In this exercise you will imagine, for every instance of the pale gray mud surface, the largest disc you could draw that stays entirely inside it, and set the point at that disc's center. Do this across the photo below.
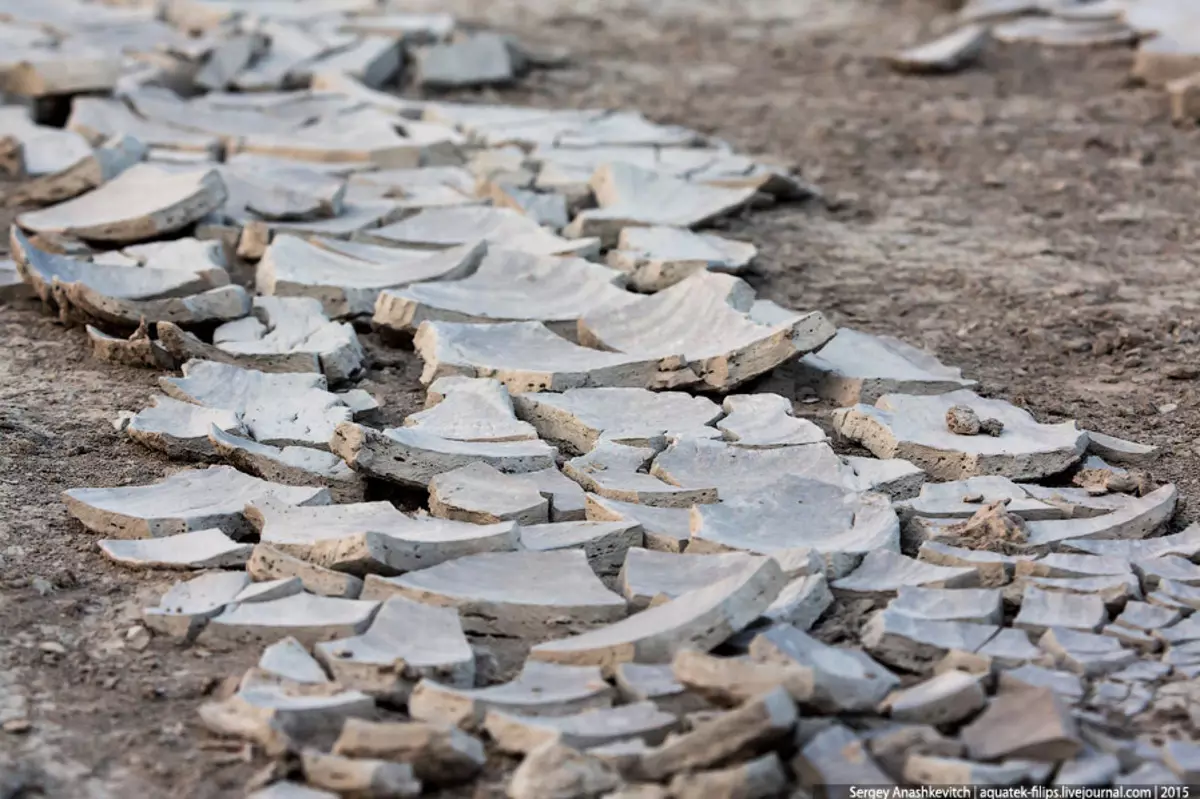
(1032, 220)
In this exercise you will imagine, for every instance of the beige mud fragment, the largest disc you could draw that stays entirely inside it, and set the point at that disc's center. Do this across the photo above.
(407, 641)
(410, 457)
(138, 350)
(190, 500)
(700, 620)
(731, 681)
(180, 429)
(1085, 653)
(528, 595)
(540, 689)
(522, 734)
(553, 770)
(370, 779)
(1160, 59)
(202, 549)
(930, 770)
(755, 779)
(949, 53)
(1034, 724)
(756, 724)
(438, 755)
(579, 418)
(268, 563)
(277, 719)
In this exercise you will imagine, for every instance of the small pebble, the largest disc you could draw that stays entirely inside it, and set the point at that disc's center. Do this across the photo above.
(53, 647)
(17, 726)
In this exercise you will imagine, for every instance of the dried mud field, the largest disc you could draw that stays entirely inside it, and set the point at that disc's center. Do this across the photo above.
(1031, 219)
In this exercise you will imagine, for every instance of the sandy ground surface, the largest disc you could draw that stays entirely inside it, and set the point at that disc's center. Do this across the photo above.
(1031, 220)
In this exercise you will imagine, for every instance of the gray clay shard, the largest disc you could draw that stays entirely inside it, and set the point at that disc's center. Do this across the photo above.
(410, 457)
(946, 698)
(604, 543)
(620, 472)
(139, 350)
(650, 578)
(297, 466)
(438, 228)
(187, 606)
(801, 602)
(656, 258)
(268, 564)
(979, 605)
(948, 53)
(45, 270)
(579, 417)
(962, 499)
(348, 284)
(765, 421)
(993, 567)
(628, 196)
(665, 529)
(195, 499)
(221, 304)
(1041, 610)
(306, 617)
(470, 409)
(525, 356)
(373, 537)
(641, 720)
(547, 209)
(884, 573)
(1118, 450)
(144, 202)
(794, 514)
(405, 642)
(97, 119)
(277, 409)
(484, 59)
(532, 595)
(93, 168)
(1138, 519)
(540, 689)
(710, 319)
(293, 330)
(837, 756)
(700, 619)
(914, 428)
(479, 494)
(202, 549)
(567, 499)
(901, 639)
(287, 658)
(508, 286)
(180, 429)
(1061, 564)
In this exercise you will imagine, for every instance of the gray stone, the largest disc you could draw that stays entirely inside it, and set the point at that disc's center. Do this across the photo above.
(522, 734)
(530, 595)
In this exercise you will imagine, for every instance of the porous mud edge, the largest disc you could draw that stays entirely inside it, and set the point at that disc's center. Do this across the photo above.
(1031, 220)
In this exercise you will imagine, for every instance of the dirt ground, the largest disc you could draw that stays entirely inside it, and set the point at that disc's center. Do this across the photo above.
(1029, 220)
